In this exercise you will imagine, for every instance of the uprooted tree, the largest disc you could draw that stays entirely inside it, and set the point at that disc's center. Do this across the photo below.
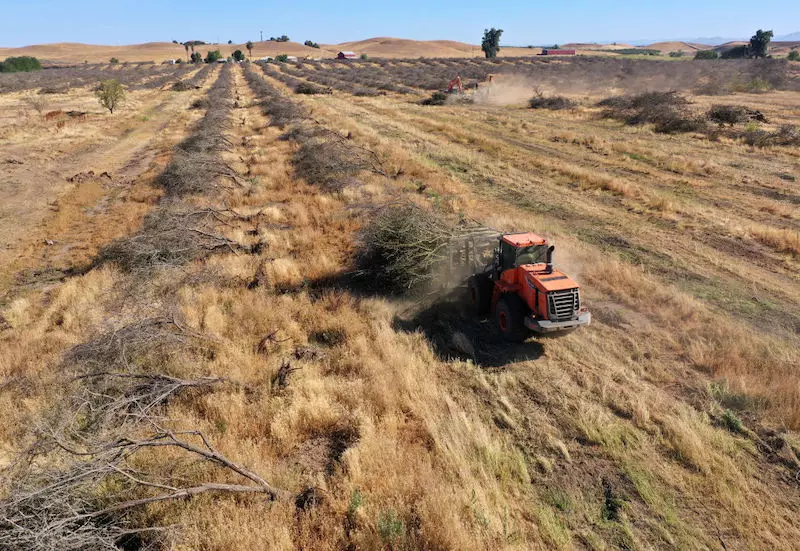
(402, 246)
(107, 448)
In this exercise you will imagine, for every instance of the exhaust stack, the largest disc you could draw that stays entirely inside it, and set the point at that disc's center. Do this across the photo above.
(550, 259)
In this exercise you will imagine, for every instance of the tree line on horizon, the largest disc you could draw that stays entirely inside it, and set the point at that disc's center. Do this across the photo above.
(758, 47)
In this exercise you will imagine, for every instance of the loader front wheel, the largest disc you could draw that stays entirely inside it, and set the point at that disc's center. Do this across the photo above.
(509, 315)
(479, 294)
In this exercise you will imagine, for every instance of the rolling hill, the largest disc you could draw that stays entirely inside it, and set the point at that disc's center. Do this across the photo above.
(380, 47)
(70, 53)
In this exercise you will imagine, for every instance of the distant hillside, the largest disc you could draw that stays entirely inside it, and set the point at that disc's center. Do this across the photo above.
(70, 53)
(379, 47)
(389, 47)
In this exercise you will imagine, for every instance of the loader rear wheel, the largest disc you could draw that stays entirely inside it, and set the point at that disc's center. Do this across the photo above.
(479, 294)
(509, 315)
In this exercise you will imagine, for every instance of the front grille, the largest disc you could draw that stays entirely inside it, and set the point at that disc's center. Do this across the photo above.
(563, 305)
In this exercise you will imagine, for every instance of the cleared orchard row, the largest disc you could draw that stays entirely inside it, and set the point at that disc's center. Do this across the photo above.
(136, 77)
(580, 74)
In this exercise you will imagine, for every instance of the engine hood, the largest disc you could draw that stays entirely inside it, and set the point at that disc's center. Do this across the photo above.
(554, 281)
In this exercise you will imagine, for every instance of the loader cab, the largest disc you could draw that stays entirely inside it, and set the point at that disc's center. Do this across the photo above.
(523, 248)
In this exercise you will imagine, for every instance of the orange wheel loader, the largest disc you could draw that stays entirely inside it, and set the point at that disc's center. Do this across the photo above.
(512, 277)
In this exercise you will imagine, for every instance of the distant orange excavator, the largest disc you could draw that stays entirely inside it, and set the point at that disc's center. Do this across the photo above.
(456, 86)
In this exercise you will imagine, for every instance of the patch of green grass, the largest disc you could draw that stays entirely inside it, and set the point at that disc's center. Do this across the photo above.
(732, 422)
(553, 528)
(477, 512)
(638, 157)
(390, 527)
(508, 466)
(356, 501)
(732, 400)
(669, 526)
(559, 499)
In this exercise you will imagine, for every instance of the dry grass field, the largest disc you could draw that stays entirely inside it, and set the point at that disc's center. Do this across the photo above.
(188, 360)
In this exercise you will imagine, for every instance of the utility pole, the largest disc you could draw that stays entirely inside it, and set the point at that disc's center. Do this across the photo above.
(262, 35)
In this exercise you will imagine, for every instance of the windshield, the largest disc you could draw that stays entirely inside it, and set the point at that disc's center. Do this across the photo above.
(532, 255)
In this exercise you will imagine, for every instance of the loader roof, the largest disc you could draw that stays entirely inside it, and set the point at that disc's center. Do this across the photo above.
(524, 239)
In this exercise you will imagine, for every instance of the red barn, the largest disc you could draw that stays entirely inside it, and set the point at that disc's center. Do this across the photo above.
(347, 55)
(557, 52)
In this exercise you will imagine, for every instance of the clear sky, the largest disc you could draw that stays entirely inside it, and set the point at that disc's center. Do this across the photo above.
(524, 21)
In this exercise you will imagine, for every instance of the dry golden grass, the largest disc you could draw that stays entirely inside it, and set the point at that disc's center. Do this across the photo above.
(411, 449)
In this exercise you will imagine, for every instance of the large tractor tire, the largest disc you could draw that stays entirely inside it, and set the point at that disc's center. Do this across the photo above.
(479, 294)
(509, 314)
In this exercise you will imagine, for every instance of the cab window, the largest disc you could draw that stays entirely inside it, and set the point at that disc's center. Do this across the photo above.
(532, 255)
(508, 255)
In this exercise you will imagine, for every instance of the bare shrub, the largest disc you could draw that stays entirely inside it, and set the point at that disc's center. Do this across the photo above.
(195, 172)
(107, 449)
(733, 114)
(645, 100)
(437, 98)
(181, 86)
(402, 245)
(200, 103)
(667, 111)
(153, 341)
(172, 235)
(310, 89)
(51, 90)
(787, 134)
(38, 103)
(281, 110)
(329, 159)
(363, 91)
(554, 103)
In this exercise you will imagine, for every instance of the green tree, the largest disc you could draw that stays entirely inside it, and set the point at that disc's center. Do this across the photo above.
(249, 47)
(186, 47)
(759, 43)
(214, 56)
(230, 41)
(311, 44)
(282, 58)
(491, 42)
(794, 55)
(364, 56)
(114, 61)
(706, 54)
(238, 55)
(282, 38)
(20, 64)
(197, 57)
(110, 94)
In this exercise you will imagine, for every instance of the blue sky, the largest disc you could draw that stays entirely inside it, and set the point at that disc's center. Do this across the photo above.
(524, 22)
